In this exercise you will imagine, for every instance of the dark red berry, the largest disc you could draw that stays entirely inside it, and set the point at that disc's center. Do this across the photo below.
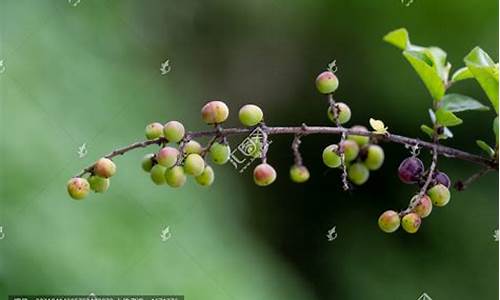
(442, 178)
(410, 170)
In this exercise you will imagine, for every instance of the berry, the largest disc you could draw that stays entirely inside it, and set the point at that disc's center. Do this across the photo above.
(410, 170)
(327, 82)
(440, 195)
(167, 156)
(264, 174)
(174, 131)
(147, 162)
(192, 147)
(358, 173)
(175, 176)
(361, 140)
(389, 221)
(105, 167)
(424, 207)
(207, 176)
(442, 178)
(78, 188)
(330, 156)
(220, 153)
(374, 157)
(343, 111)
(411, 222)
(351, 150)
(299, 174)
(157, 174)
(250, 115)
(98, 184)
(194, 164)
(154, 131)
(214, 112)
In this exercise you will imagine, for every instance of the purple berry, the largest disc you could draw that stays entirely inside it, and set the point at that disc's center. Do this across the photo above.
(442, 178)
(410, 170)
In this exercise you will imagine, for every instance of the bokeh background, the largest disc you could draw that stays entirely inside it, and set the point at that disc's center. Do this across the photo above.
(89, 72)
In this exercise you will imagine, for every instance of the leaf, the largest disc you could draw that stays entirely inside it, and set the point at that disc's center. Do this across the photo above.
(378, 126)
(458, 103)
(438, 58)
(399, 38)
(461, 74)
(495, 128)
(427, 130)
(427, 73)
(447, 118)
(486, 148)
(485, 71)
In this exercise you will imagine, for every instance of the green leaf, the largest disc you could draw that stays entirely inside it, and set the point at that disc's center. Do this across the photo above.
(495, 128)
(461, 74)
(447, 118)
(485, 71)
(486, 148)
(458, 102)
(438, 58)
(399, 38)
(427, 73)
(427, 130)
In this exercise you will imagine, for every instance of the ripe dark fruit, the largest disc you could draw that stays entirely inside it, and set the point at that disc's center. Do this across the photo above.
(78, 188)
(264, 174)
(327, 82)
(442, 178)
(410, 170)
(389, 221)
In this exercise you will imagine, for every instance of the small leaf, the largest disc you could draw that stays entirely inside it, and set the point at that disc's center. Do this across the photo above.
(378, 126)
(427, 130)
(432, 115)
(427, 73)
(486, 148)
(438, 58)
(495, 128)
(447, 133)
(399, 38)
(458, 102)
(461, 74)
(447, 118)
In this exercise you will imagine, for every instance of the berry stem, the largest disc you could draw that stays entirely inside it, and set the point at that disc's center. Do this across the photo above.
(345, 182)
(462, 185)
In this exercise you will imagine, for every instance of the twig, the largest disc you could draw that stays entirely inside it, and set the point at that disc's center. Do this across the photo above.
(335, 113)
(462, 185)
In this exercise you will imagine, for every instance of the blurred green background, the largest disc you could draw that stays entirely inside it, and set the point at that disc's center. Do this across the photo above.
(89, 72)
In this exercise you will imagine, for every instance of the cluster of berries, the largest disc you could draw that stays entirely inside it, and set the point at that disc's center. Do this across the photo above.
(412, 171)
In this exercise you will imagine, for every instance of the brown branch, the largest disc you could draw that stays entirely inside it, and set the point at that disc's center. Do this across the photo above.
(462, 185)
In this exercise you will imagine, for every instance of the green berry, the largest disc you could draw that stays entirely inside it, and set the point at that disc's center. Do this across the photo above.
(264, 174)
(389, 221)
(98, 184)
(194, 164)
(192, 147)
(105, 167)
(343, 111)
(358, 173)
(154, 131)
(167, 156)
(424, 207)
(439, 194)
(157, 174)
(327, 82)
(361, 140)
(330, 156)
(250, 115)
(220, 153)
(147, 162)
(214, 112)
(411, 222)
(374, 157)
(174, 131)
(299, 174)
(351, 150)
(175, 176)
(207, 176)
(78, 188)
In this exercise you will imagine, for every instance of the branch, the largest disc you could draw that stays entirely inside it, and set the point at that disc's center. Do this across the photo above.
(462, 185)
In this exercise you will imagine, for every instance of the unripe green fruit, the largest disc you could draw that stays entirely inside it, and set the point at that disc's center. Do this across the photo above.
(154, 131)
(264, 174)
(411, 222)
(194, 164)
(330, 156)
(105, 167)
(167, 156)
(327, 82)
(250, 115)
(175, 176)
(147, 162)
(439, 194)
(361, 140)
(192, 147)
(343, 111)
(157, 174)
(214, 112)
(374, 157)
(358, 173)
(173, 131)
(220, 153)
(299, 174)
(78, 188)
(389, 221)
(351, 150)
(207, 176)
(98, 184)
(424, 207)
